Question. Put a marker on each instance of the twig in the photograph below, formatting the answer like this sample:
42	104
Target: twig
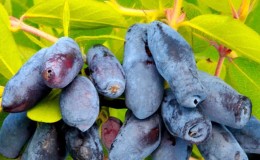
18	24
219	66
223	52
174	15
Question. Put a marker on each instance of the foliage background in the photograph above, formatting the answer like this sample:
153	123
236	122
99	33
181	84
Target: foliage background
229	24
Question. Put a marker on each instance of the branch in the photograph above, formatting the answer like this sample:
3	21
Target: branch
174	15
219	66
223	52
18	24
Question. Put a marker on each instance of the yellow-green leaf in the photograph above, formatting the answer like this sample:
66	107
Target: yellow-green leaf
222	5
210	66
10	59
66	18
253	19
1	90
47	110
159	4
191	10
83	14
196	152
243	75
118	113
101	37
228	32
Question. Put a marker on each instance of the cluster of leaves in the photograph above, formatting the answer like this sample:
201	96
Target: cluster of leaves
211	27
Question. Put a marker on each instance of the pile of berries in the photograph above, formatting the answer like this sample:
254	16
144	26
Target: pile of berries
162	121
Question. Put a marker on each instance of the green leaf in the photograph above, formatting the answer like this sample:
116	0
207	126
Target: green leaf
101	37
209	66
25	45
117	47
130	4
209	53
197	43
69	157
47	110
8	6
195	152
19	7
160	4
83	14
93	40
243	75
89	33
35	40
222	5
1	91
228	32
3	80
10	60
191	10
118	113
253	19
66	18
57	32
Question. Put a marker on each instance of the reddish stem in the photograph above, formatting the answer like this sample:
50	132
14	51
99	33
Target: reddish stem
219	66
223	52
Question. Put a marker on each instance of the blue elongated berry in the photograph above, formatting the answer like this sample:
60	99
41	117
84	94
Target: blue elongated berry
48	142
144	84
26	87
79	103
221	145
224	104
137	138
172	148
106	71
15	132
186	123
249	136
84	145
61	63
175	61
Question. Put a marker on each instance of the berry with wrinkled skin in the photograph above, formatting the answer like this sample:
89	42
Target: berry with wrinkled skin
186	123
61	63
48	142
15	132
106	71
224	104
26	87
221	145
249	136
175	61
172	148
109	131
137	138
79	103
144	84
84	145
